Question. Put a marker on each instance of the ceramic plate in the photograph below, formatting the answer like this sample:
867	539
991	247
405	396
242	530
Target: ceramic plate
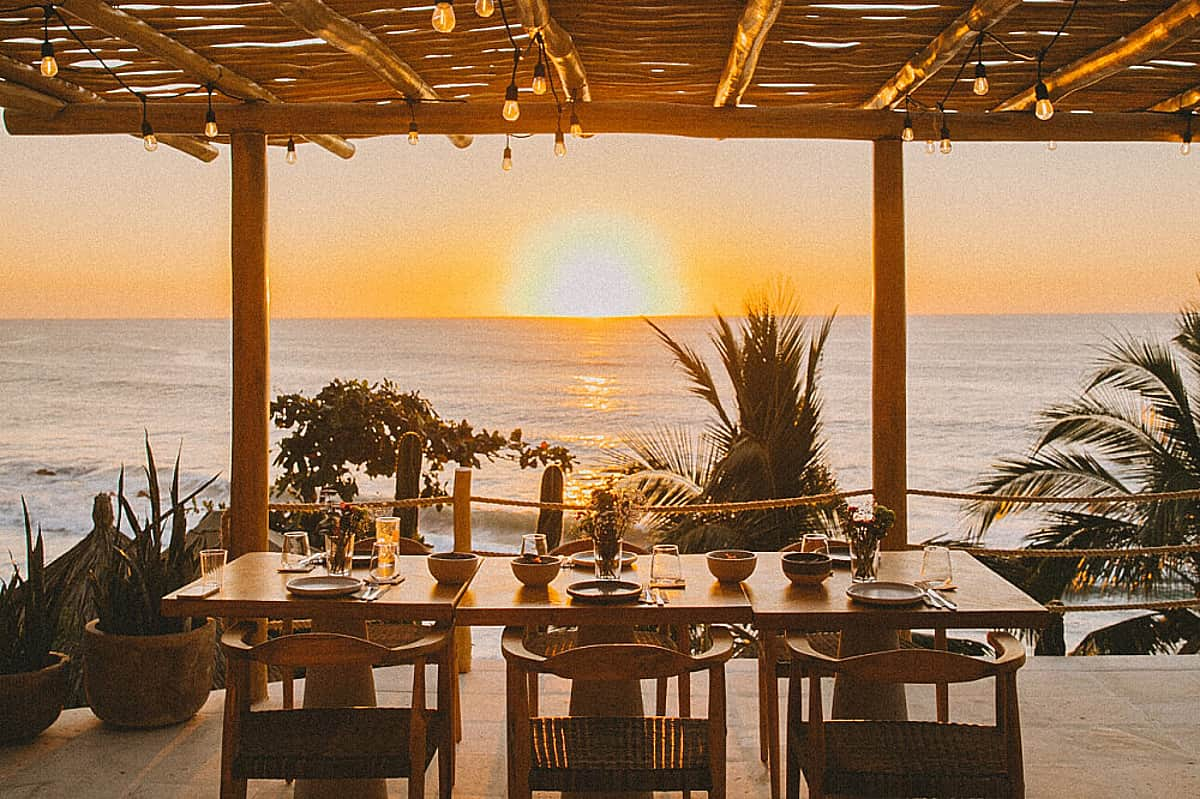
605	590
324	585
588	559
885	593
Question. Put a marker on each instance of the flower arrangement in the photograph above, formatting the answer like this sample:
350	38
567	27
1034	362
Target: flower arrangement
610	514
342	525
865	528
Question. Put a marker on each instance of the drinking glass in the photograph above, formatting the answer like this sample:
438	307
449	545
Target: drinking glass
387	528
533	545
294	550
815	542
212	568
383	561
339	553
666	570
935	567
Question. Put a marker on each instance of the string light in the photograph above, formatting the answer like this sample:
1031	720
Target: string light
946	146
930	147
291	151
560	143
1044	109
485	8
1185	146
48	65
512	109
149	140
576	126
907	133
210	118
980	86
414	135
540	86
506	161
1052	145
443	16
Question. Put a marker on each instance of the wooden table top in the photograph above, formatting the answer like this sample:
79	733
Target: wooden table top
253	588
985	599
495	598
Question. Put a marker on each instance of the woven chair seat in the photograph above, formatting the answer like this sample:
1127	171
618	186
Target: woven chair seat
658	753
549	643
394	633
331	743
912	759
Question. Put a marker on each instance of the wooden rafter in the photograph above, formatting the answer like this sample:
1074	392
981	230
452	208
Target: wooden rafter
21	75
960	33
144	37
757	18
22	98
703	121
348	36
1178	22
560	48
1179	102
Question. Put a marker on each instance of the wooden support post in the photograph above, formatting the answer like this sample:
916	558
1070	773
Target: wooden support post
249	489
462	543
889	422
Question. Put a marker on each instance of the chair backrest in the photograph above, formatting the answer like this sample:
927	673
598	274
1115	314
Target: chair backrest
405	546
916	666
585	545
614	662
323	649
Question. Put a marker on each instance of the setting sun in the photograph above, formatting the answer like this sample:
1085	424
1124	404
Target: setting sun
593	265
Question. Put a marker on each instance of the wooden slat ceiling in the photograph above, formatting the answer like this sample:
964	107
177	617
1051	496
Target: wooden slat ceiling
819	55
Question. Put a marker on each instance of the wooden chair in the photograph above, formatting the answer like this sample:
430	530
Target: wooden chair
552	641
336	742
595	753
905	758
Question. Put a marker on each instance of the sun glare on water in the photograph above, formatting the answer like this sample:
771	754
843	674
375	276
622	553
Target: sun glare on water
593	266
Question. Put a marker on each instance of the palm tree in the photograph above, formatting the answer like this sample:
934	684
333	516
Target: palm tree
766	445
1132	430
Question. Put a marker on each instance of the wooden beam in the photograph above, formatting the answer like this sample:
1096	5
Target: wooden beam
962	32
1177	23
889	352
149	40
665	119
56	90
348	36
1179	102
560	48
757	18
22	98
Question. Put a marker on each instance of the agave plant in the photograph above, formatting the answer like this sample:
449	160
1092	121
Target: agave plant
132	576
1132	430
26	614
767	445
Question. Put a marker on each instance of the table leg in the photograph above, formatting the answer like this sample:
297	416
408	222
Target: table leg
340	686
942	690
866	699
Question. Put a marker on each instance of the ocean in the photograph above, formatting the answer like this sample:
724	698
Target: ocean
80	395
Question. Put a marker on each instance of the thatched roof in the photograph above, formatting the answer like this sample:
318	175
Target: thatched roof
809	69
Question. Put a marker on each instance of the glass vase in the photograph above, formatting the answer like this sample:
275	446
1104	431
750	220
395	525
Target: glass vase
607	552
339	554
864	559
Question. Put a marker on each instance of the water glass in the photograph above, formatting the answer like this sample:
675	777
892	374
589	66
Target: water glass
383	561
294	550
339	553
533	545
935	567
387	528
815	542
666	569
212	568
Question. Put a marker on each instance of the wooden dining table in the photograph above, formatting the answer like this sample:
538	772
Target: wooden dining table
254	588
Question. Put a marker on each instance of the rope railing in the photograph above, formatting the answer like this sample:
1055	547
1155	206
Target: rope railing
1028	499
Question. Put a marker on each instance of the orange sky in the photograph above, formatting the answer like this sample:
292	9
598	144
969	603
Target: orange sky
96	227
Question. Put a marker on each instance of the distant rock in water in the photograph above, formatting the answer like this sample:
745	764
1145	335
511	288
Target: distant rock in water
44	472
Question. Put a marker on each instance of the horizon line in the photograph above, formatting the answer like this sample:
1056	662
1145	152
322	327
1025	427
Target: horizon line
534	318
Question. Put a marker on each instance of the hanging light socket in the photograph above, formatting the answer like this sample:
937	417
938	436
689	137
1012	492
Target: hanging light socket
560	143
946	144
210	118
506	161
576	126
980	86
291	151
907	134
1044	109
1185	144
48	66
512	109
540	84
149	140
413	134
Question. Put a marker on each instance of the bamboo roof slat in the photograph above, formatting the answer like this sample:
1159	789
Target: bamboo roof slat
560	48
748	41
1183	100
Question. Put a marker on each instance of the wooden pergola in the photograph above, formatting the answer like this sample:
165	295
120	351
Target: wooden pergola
330	72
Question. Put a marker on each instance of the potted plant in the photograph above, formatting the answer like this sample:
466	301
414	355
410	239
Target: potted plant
140	668
33	678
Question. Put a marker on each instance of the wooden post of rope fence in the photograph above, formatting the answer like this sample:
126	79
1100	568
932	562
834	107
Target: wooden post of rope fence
462	543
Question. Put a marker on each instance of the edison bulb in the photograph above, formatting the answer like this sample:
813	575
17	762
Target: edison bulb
560	144
907	134
576	127
930	147
540	85
413	134
485	8
506	161
210	125
48	66
946	145
291	151
512	109
150	142
980	86
1186	147
1052	145
1044	108
443	16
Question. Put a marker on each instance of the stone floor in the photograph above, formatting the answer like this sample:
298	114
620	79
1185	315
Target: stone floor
1093	727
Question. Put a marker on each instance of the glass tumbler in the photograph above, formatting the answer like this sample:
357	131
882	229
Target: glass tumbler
383	562
212	568
666	569
935	567
533	545
387	528
815	542
339	553
294	550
